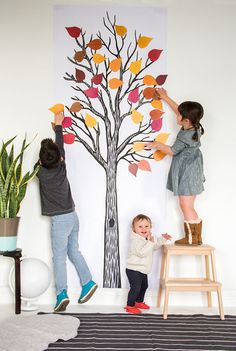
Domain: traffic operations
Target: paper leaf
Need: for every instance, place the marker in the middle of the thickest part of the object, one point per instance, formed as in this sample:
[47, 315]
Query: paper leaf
[133, 96]
[95, 44]
[79, 55]
[144, 165]
[91, 92]
[76, 107]
[115, 83]
[57, 108]
[133, 168]
[143, 42]
[67, 122]
[161, 79]
[69, 138]
[98, 58]
[149, 93]
[157, 104]
[158, 155]
[115, 64]
[138, 146]
[135, 66]
[149, 80]
[156, 125]
[154, 54]
[137, 117]
[79, 75]
[120, 30]
[156, 114]
[97, 79]
[90, 121]
[162, 137]
[74, 32]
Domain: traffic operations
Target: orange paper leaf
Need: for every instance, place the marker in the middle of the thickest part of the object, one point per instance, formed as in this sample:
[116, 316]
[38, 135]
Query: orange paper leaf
[79, 55]
[143, 42]
[98, 58]
[138, 146]
[135, 66]
[57, 108]
[95, 44]
[149, 93]
[120, 30]
[162, 137]
[157, 104]
[155, 114]
[115, 83]
[149, 80]
[76, 107]
[158, 155]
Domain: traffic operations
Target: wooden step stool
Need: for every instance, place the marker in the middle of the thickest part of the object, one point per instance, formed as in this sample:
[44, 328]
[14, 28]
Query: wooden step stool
[207, 284]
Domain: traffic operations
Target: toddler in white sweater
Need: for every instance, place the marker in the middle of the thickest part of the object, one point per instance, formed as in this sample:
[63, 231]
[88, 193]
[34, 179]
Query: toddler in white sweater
[139, 262]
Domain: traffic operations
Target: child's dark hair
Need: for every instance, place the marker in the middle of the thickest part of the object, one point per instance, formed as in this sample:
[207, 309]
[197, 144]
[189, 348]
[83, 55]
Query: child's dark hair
[141, 217]
[194, 112]
[49, 154]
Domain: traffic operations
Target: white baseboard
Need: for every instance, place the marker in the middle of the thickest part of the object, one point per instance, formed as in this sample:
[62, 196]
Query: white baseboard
[117, 297]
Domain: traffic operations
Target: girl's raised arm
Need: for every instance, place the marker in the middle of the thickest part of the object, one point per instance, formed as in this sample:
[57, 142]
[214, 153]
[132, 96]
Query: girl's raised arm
[163, 95]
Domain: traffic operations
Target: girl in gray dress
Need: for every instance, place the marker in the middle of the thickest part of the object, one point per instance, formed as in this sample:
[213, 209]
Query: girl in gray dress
[185, 176]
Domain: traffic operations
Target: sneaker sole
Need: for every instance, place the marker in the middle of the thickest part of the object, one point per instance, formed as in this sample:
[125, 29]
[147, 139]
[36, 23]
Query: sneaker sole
[89, 295]
[62, 306]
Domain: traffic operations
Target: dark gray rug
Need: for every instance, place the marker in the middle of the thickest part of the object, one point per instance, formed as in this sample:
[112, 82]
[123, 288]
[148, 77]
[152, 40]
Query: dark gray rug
[149, 332]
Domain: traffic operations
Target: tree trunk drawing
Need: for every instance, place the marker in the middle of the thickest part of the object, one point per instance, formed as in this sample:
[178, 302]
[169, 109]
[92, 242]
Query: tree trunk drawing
[119, 98]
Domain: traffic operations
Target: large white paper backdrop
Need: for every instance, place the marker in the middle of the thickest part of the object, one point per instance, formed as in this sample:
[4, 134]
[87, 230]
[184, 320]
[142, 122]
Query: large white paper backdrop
[145, 193]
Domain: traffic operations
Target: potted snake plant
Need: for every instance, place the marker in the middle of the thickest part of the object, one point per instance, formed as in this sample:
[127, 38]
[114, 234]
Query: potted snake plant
[13, 185]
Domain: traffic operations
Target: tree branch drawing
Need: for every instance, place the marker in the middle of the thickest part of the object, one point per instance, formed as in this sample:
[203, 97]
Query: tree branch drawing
[111, 88]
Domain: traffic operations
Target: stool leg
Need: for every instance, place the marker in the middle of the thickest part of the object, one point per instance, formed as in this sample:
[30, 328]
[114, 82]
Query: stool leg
[221, 308]
[165, 312]
[17, 286]
[161, 280]
[213, 263]
[207, 265]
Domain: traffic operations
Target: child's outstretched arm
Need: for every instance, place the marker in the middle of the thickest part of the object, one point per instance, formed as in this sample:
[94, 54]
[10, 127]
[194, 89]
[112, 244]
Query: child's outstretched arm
[164, 96]
[58, 119]
[159, 146]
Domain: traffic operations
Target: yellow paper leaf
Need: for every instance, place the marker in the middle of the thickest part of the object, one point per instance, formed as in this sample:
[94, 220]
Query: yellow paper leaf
[90, 121]
[143, 42]
[138, 146]
[162, 137]
[121, 30]
[135, 66]
[149, 80]
[157, 104]
[136, 117]
[115, 64]
[115, 83]
[57, 108]
[98, 58]
[158, 155]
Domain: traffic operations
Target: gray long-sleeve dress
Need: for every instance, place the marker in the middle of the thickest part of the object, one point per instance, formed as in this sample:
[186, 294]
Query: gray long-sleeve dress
[186, 175]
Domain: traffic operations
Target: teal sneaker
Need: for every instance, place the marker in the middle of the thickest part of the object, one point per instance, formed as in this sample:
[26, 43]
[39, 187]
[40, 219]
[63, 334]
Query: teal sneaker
[62, 301]
[87, 291]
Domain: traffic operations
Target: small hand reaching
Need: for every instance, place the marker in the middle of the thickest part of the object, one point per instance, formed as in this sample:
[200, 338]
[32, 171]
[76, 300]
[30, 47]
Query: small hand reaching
[151, 145]
[58, 118]
[166, 236]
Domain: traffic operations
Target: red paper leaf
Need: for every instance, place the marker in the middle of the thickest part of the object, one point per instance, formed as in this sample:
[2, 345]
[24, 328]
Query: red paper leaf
[156, 125]
[161, 79]
[91, 92]
[80, 75]
[133, 96]
[156, 114]
[144, 165]
[133, 168]
[69, 138]
[97, 79]
[154, 54]
[74, 32]
[67, 122]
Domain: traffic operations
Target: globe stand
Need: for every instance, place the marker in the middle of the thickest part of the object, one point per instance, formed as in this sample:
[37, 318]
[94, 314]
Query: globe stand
[27, 305]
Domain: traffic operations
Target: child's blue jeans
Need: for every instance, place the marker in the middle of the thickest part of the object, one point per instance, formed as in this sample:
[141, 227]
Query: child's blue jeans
[64, 236]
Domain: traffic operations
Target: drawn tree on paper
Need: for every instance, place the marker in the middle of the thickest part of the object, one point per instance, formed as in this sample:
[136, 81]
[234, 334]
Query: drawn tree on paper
[111, 84]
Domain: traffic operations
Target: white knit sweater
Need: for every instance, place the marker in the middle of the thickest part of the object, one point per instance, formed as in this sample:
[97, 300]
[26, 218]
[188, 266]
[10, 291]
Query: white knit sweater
[141, 252]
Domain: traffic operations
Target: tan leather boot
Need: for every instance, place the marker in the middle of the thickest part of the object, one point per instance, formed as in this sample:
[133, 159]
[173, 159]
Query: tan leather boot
[199, 232]
[190, 235]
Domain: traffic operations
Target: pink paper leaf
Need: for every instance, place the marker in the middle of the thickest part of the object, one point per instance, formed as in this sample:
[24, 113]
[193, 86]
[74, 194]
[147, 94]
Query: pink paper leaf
[156, 125]
[91, 92]
[144, 165]
[67, 122]
[133, 96]
[133, 168]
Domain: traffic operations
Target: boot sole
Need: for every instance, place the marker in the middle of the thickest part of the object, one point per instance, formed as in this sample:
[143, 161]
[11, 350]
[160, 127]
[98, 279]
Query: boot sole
[89, 295]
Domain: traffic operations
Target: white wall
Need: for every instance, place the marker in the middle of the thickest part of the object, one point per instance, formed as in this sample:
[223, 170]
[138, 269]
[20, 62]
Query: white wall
[201, 66]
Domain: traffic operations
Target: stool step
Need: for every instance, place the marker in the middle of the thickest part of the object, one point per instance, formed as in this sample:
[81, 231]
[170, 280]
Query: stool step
[190, 284]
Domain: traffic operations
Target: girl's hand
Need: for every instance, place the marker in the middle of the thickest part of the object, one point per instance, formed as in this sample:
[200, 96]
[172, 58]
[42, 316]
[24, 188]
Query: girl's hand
[166, 236]
[58, 118]
[151, 145]
[162, 93]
